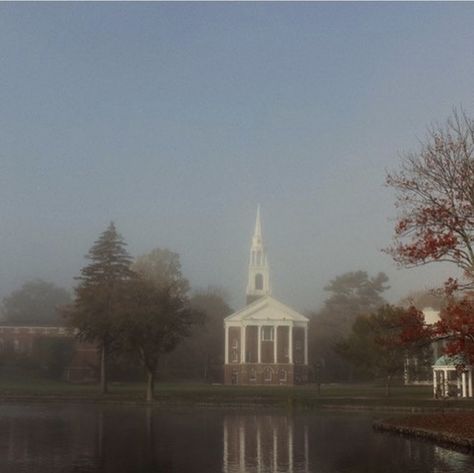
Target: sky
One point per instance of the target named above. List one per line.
(174, 120)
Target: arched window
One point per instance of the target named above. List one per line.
(259, 281)
(267, 374)
(253, 375)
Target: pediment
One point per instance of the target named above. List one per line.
(266, 308)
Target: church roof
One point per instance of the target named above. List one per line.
(266, 308)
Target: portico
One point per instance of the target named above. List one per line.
(266, 343)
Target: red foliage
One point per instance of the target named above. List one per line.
(457, 328)
(435, 195)
(414, 329)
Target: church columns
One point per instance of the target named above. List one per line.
(463, 378)
(226, 345)
(290, 345)
(242, 344)
(275, 341)
(259, 344)
(435, 387)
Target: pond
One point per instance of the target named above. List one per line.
(49, 438)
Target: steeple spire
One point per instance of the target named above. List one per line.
(258, 225)
(259, 274)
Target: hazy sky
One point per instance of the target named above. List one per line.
(175, 120)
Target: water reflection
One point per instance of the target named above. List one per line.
(118, 439)
(264, 443)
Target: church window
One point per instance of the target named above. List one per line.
(258, 282)
(253, 375)
(267, 334)
(235, 356)
(283, 375)
(299, 345)
(267, 374)
(235, 343)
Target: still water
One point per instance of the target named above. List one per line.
(119, 439)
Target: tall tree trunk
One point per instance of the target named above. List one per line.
(150, 387)
(103, 370)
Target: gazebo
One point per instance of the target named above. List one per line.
(443, 378)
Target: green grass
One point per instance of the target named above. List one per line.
(27, 387)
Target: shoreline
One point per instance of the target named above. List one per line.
(237, 401)
(452, 429)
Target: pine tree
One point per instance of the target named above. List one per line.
(96, 308)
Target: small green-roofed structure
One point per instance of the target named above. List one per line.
(452, 376)
(445, 360)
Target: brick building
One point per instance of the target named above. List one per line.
(25, 340)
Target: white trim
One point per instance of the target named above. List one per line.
(290, 346)
(283, 312)
(259, 344)
(275, 342)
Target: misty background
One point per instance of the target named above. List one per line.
(176, 120)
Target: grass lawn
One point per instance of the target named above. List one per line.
(24, 386)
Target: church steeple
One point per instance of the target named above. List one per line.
(259, 274)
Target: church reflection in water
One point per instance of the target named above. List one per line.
(261, 443)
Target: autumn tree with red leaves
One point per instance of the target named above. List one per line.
(381, 341)
(435, 198)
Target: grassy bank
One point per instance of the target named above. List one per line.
(16, 387)
(447, 428)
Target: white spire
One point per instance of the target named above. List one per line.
(259, 274)
(258, 225)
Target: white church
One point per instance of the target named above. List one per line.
(266, 342)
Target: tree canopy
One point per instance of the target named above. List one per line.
(376, 343)
(350, 295)
(435, 197)
(37, 302)
(201, 355)
(157, 314)
(97, 303)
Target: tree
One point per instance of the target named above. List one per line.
(455, 328)
(96, 308)
(376, 343)
(35, 303)
(200, 355)
(156, 310)
(424, 299)
(351, 294)
(435, 195)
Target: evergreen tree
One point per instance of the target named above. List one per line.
(97, 304)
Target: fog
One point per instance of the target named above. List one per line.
(176, 120)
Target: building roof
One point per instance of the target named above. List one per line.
(450, 360)
(266, 308)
